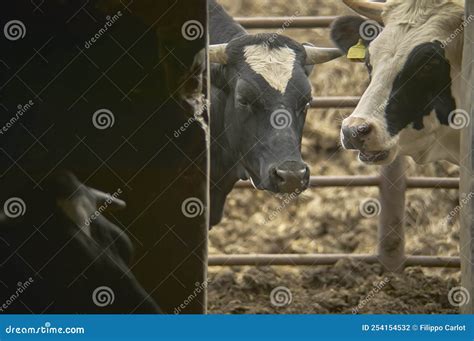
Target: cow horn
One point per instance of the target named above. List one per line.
(319, 55)
(372, 10)
(217, 53)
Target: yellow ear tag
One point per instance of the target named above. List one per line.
(357, 52)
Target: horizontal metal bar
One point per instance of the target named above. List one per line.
(344, 181)
(363, 181)
(286, 259)
(433, 182)
(286, 22)
(335, 102)
(324, 259)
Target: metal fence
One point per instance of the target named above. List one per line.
(392, 184)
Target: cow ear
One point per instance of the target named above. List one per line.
(345, 32)
(309, 67)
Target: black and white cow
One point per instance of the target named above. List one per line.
(411, 105)
(260, 95)
(57, 255)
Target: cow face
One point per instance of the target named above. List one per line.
(408, 105)
(267, 95)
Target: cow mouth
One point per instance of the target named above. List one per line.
(373, 157)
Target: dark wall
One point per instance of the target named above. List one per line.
(144, 74)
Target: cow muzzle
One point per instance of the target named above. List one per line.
(364, 136)
(290, 177)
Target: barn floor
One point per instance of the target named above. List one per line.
(328, 220)
(337, 289)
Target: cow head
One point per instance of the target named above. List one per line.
(412, 59)
(267, 94)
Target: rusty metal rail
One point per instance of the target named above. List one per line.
(324, 259)
(285, 22)
(372, 181)
(335, 102)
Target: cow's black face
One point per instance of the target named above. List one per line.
(268, 94)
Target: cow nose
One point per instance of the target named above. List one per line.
(290, 176)
(354, 133)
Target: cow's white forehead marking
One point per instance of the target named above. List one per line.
(274, 65)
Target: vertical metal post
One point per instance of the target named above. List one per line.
(391, 234)
(467, 167)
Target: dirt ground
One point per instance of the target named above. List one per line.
(328, 220)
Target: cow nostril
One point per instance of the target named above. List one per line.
(363, 129)
(279, 174)
(290, 176)
(284, 175)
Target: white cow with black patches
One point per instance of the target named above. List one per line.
(415, 80)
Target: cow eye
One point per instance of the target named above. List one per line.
(243, 101)
(428, 68)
